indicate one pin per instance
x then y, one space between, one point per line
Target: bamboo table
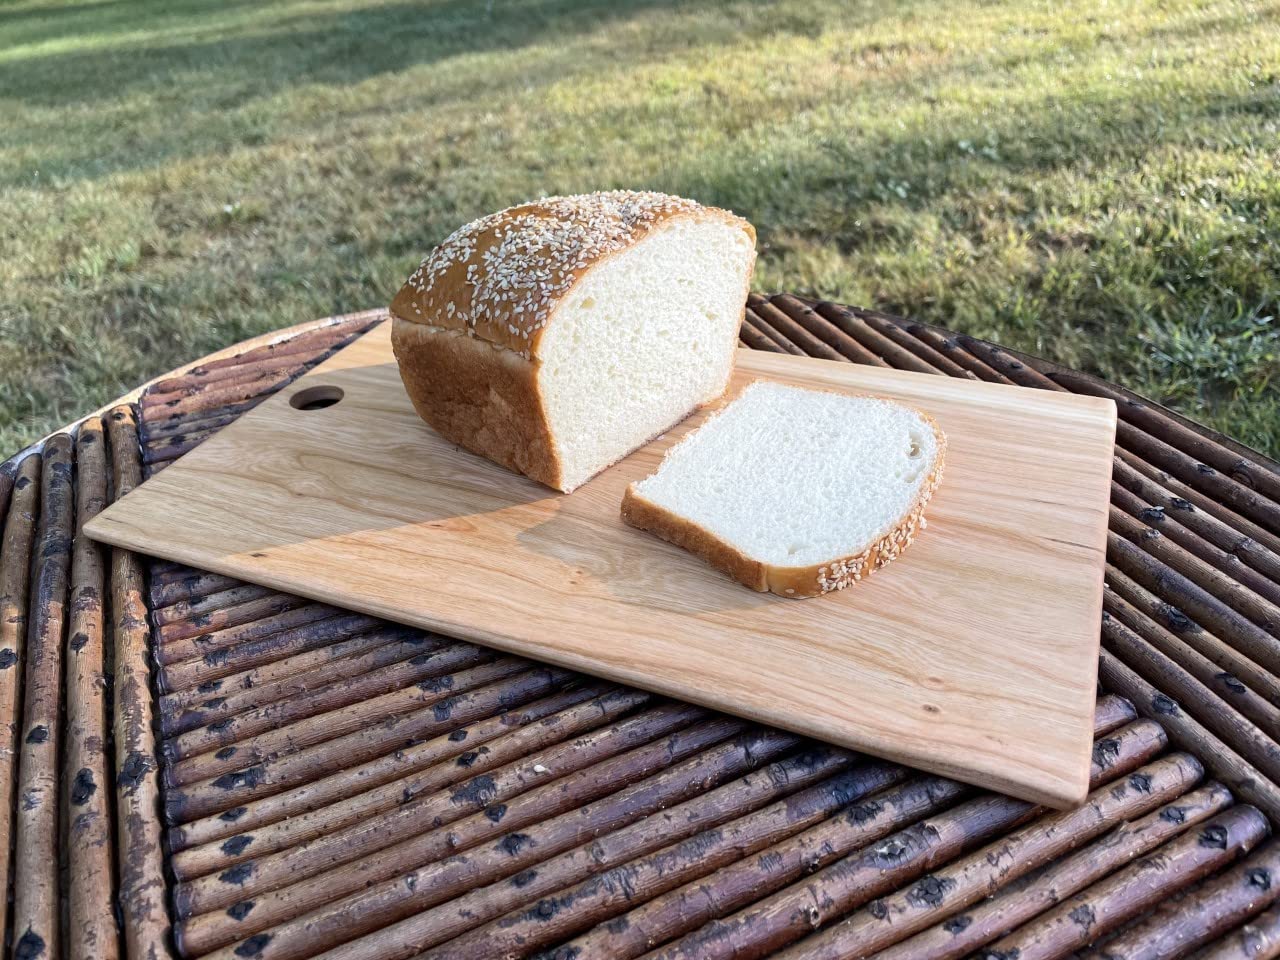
205 768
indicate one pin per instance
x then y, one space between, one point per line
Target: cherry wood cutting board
974 655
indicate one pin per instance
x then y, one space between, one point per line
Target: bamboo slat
1259 939
1215 715
15 567
36 907
142 882
1231 675
867 872
91 923
1103 907
411 879
382 824
886 920
1026 899
473 723
1208 912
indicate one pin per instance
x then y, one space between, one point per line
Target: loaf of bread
797 492
556 337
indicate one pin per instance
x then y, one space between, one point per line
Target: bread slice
556 337
793 491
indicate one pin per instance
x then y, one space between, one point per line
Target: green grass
1097 182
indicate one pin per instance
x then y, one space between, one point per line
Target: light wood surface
974 655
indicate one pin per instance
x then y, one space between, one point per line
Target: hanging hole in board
315 398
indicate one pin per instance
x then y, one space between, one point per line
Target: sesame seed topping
511 268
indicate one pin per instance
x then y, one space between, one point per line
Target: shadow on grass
258 57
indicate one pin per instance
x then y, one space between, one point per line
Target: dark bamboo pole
1238 547
36 919
142 885
1201 501
217 664
1219 905
200 646
1222 686
734 886
309 345
190 587
164 614
8 471
946 348
892 329
756 340
1093 913
757 325
429 657
473 721
1215 715
612 750
1243 634
216 395
1192 551
92 933
437 713
1005 363
917 345
810 344
550 907
1024 900
1233 593
853 324
392 887
481 751
15 570
1231 493
287 654
982 873
844 345
1259 939
1237 679
221 711
1111 712
176 388
1245 781
207 771
383 817
194 706
170 630
863 874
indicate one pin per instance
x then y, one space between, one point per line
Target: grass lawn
1097 182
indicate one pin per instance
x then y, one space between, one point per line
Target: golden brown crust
790 582
468 323
482 397
500 278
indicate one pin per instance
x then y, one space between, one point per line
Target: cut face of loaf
557 337
797 492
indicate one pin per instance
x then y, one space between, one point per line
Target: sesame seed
516 264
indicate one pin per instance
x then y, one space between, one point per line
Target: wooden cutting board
974 655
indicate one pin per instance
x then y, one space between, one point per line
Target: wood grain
973 656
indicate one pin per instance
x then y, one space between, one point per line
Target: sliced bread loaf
793 491
556 337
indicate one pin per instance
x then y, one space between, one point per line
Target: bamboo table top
205 768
